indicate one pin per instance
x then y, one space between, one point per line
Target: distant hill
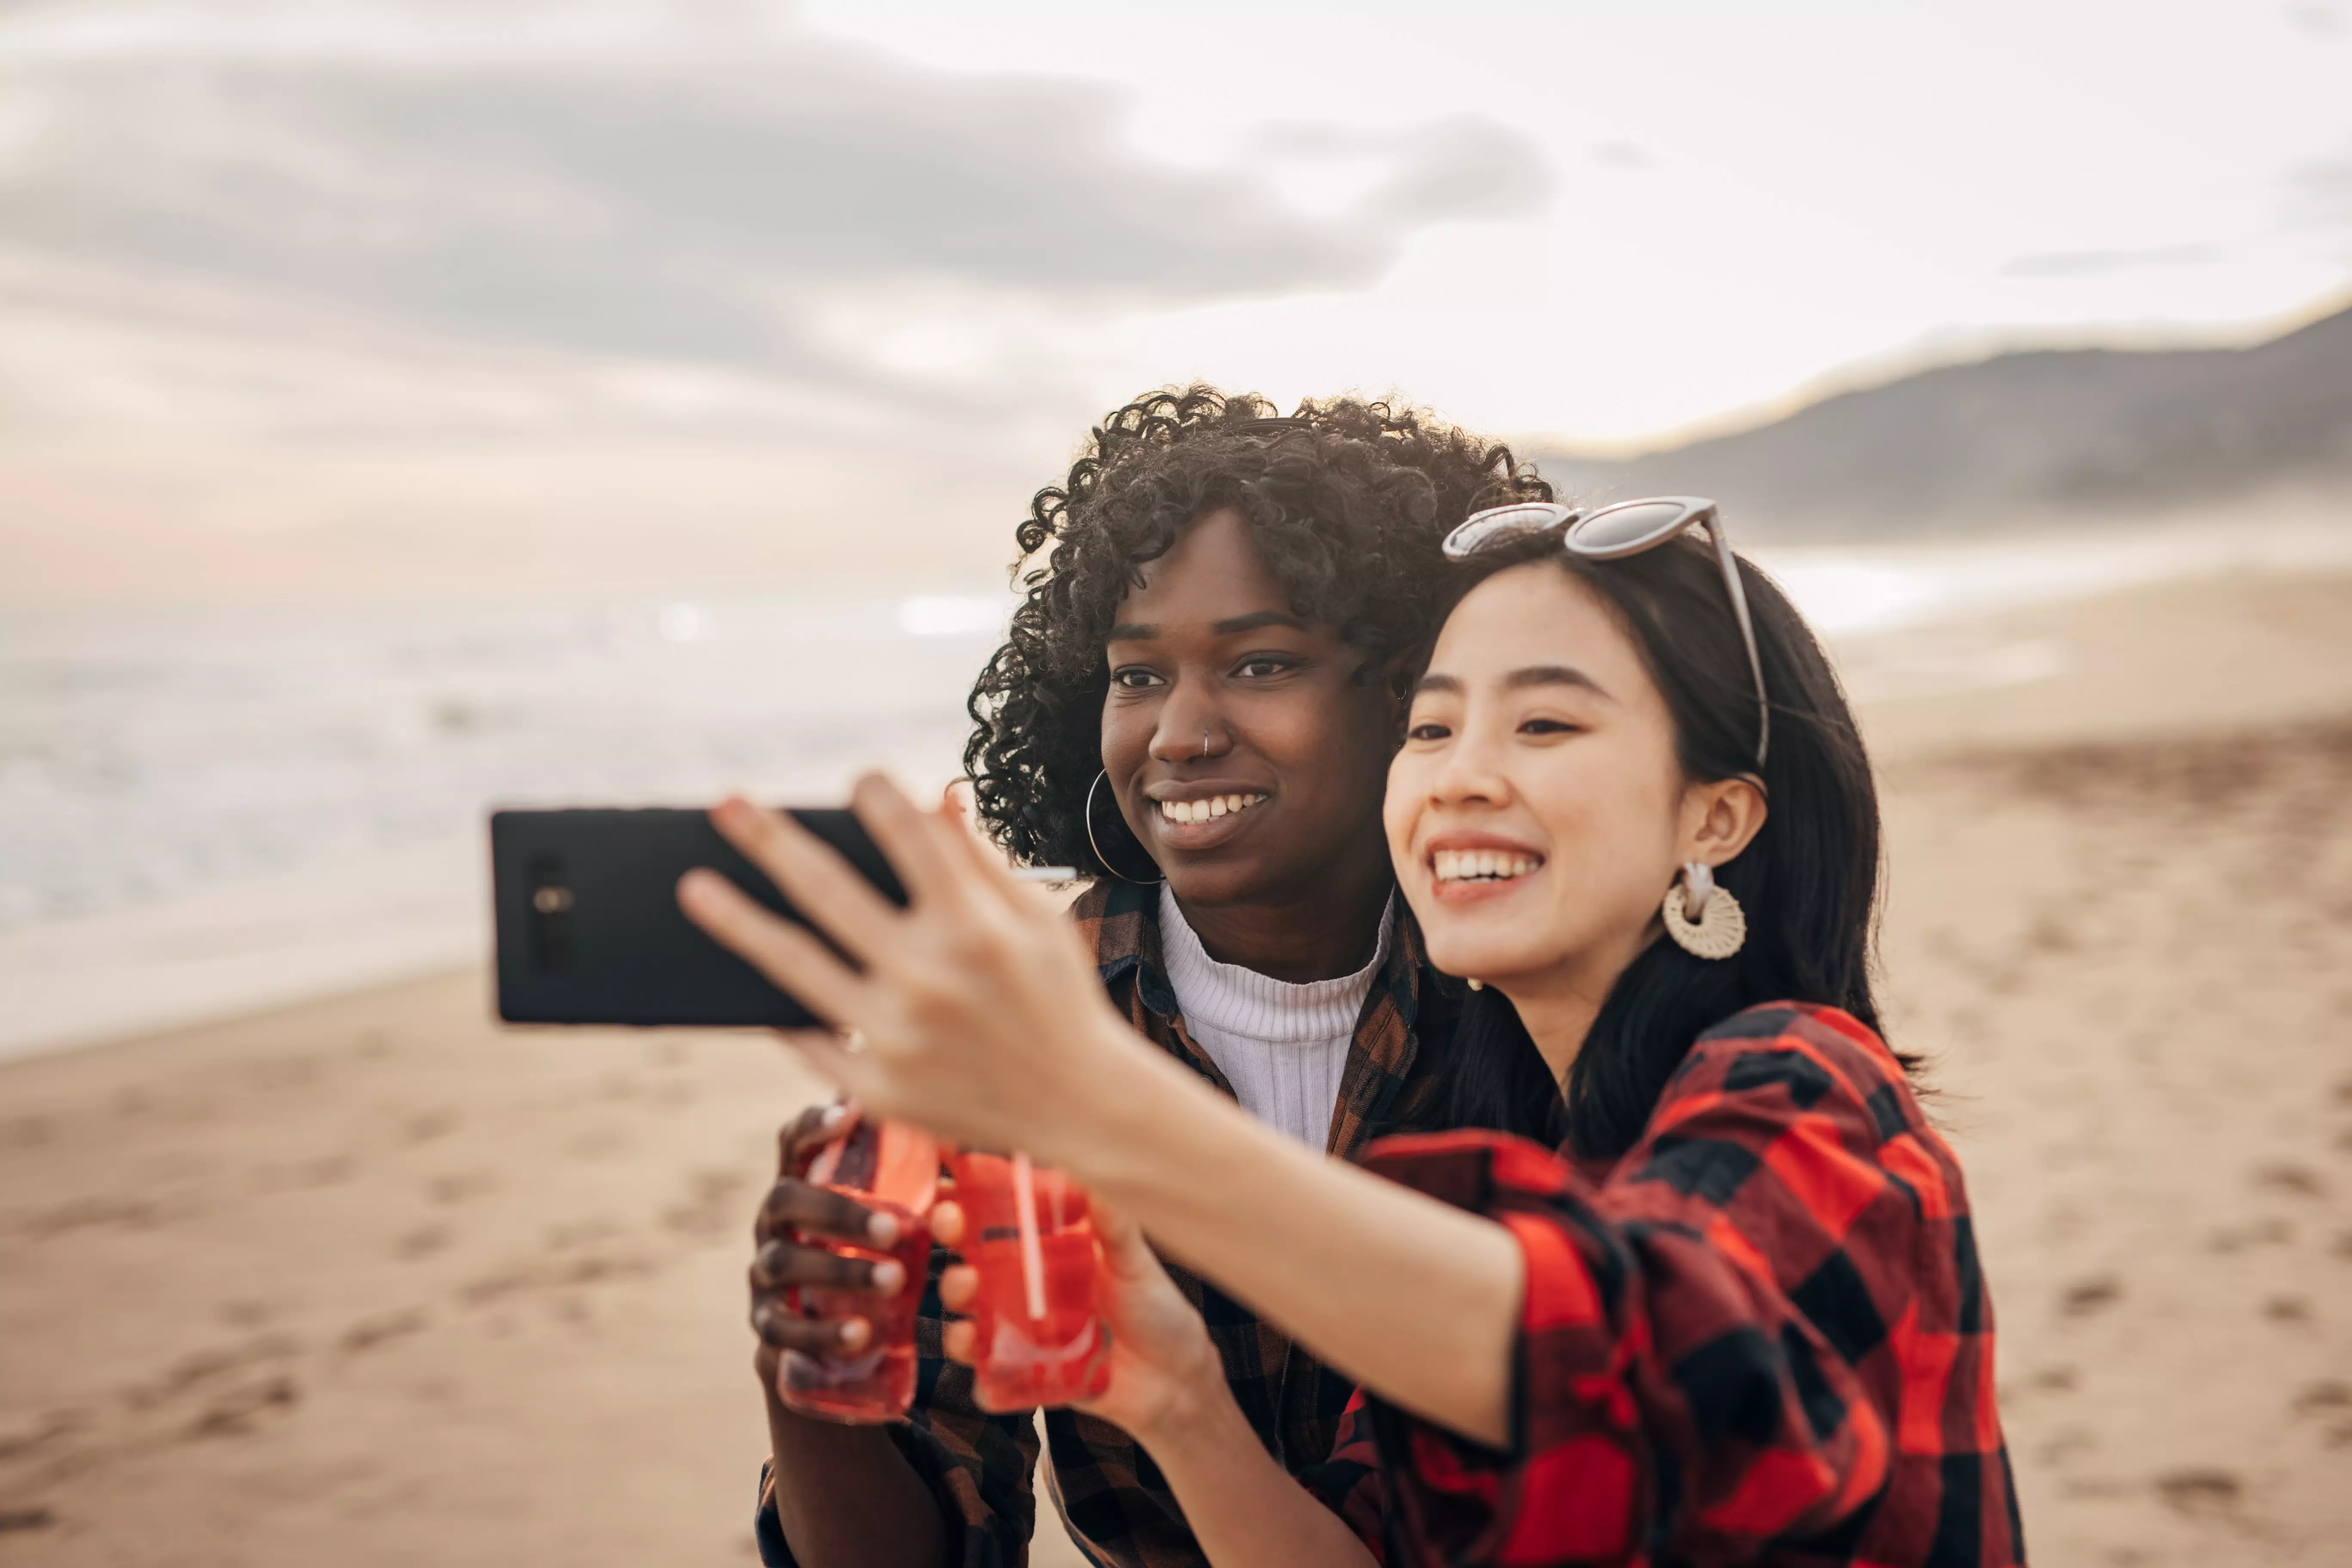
2088 431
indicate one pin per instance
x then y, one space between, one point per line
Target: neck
1325 931
1558 1005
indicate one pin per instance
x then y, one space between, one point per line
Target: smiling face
1246 748
1538 811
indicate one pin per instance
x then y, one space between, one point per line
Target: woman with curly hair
1196 706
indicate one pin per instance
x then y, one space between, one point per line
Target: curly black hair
1348 501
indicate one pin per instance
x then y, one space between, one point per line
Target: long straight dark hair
1808 881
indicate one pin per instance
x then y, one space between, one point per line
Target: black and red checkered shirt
979 1466
1762 1337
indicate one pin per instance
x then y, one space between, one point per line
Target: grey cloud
1462 169
2316 19
1437 172
671 206
1621 155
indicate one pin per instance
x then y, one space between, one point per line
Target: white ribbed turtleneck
1283 1047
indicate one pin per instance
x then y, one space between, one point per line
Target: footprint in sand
236 1411
2323 1397
2236 1239
370 1332
710 1204
2200 1493
2297 1179
2088 1296
459 1185
428 1125
422 1242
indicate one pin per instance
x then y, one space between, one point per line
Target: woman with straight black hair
1702 1284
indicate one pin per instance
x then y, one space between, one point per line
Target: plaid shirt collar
1122 921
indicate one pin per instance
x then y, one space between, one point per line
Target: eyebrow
1553 675
1140 631
1519 679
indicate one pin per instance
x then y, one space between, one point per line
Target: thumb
1125 1252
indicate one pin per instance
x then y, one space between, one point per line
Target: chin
1210 883
1486 960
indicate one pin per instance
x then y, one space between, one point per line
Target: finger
784 1263
792 957
974 851
1126 1252
958 1287
947 1223
1111 1223
795 1204
822 886
786 1330
798 1139
962 1342
902 832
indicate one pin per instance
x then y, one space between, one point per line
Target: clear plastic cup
1038 1338
894 1169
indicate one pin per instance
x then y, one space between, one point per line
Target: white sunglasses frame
1480 529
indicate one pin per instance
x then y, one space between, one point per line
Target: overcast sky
1594 220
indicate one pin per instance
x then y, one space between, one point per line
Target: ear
1720 819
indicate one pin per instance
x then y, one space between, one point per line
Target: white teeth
1481 865
1190 811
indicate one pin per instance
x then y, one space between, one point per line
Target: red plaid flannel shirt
979 1466
1762 1337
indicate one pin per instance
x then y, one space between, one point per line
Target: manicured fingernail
883 1229
834 1115
853 1333
888 1274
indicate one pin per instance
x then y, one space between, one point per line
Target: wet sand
372 1281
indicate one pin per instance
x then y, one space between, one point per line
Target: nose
1190 729
1470 772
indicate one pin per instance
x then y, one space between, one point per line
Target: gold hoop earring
1704 920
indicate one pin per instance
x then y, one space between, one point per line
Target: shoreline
2148 659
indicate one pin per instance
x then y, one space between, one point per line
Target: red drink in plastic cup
1039 1340
893 1168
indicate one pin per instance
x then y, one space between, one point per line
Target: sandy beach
372 1280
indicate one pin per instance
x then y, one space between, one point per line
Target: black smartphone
589 931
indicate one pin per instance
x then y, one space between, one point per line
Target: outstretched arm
985 1019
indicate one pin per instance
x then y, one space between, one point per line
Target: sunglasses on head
1613 533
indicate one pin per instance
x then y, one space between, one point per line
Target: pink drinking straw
1033 1255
